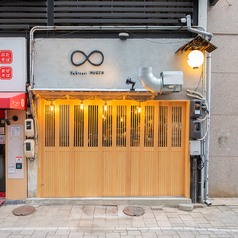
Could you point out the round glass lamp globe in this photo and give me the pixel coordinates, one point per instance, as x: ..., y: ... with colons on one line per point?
x: 195, y: 59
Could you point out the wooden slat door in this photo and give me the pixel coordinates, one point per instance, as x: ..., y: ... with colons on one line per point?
x: 123, y: 149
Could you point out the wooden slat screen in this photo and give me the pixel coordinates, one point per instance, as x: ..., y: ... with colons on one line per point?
x: 78, y: 126
x: 107, y: 126
x: 163, y: 126
x: 64, y: 125
x: 121, y: 126
x: 92, y: 126
x: 135, y: 127
x: 49, y: 127
x: 176, y: 126
x: 149, y: 126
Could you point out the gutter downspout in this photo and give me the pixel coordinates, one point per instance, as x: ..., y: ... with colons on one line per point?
x: 207, y: 140
x: 189, y: 28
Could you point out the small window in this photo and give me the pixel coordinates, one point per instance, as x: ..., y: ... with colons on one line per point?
x: 107, y: 126
x: 78, y: 126
x: 49, y: 127
x: 64, y: 125
x: 92, y: 126
x: 135, y: 127
x: 121, y: 126
x: 149, y: 126
x: 163, y: 126
x: 176, y: 126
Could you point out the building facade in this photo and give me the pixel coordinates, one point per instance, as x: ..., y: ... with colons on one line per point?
x: 107, y: 86
x: 223, y: 156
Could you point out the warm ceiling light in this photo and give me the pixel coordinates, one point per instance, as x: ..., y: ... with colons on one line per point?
x: 195, y: 59
x: 105, y: 106
x: 81, y: 105
x: 139, y: 108
x: 52, y: 106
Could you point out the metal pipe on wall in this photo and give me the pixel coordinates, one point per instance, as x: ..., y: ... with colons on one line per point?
x: 207, y: 141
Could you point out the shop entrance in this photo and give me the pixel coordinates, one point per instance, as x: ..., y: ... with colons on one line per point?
x: 123, y: 149
x: 2, y: 159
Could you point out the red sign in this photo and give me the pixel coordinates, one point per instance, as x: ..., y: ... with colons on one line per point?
x: 13, y: 100
x: 5, y: 73
x: 6, y: 57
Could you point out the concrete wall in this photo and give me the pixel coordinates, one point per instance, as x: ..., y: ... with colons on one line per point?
x: 122, y: 59
x: 223, y: 176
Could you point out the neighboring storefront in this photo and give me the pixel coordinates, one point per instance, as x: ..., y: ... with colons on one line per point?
x: 13, y: 104
x: 97, y: 136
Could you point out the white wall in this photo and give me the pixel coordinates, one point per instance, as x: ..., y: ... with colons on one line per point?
x: 52, y: 65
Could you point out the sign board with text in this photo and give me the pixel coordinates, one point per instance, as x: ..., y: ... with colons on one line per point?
x: 13, y: 64
x: 105, y: 64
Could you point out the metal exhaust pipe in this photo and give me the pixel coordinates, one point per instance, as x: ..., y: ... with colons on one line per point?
x: 149, y: 81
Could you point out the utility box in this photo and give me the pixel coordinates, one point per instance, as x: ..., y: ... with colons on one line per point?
x: 195, y: 147
x: 29, y: 148
x: 195, y: 108
x: 172, y: 80
x: 29, y: 128
x: 195, y: 129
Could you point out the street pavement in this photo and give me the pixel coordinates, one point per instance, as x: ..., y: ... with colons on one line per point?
x: 100, y: 221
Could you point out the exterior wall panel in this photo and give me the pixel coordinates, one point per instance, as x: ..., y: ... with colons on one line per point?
x: 224, y: 129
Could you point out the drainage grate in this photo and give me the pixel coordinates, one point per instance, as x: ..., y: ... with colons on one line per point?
x: 23, y: 210
x: 133, y: 211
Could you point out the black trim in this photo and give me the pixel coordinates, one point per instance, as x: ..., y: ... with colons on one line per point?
x: 213, y: 2
x: 23, y: 15
x: 50, y: 12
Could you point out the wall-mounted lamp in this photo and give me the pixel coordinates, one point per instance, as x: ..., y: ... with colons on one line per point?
x: 123, y: 36
x: 52, y: 107
x: 195, y: 59
x: 128, y: 81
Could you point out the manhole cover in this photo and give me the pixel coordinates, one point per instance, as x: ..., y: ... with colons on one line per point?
x: 23, y: 211
x: 133, y: 211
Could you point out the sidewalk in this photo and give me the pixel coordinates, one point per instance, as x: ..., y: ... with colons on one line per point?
x: 218, y: 220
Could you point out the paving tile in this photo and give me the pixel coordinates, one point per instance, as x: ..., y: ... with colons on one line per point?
x: 113, y: 235
x: 15, y: 236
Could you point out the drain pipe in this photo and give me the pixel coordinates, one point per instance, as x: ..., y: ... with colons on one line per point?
x: 207, y: 141
x: 189, y: 28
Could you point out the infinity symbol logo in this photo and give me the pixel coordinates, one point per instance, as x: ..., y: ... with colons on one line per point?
x: 87, y: 58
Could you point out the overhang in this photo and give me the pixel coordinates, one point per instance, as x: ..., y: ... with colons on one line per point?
x: 13, y: 101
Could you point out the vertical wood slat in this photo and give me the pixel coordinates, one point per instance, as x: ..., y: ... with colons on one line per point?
x: 71, y: 151
x: 84, y: 163
x: 128, y: 157
x: 100, y: 159
x: 140, y: 126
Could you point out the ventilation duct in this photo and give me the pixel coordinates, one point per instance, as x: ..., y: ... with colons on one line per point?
x: 169, y: 81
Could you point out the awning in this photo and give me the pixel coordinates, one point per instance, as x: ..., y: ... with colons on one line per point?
x: 13, y: 101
